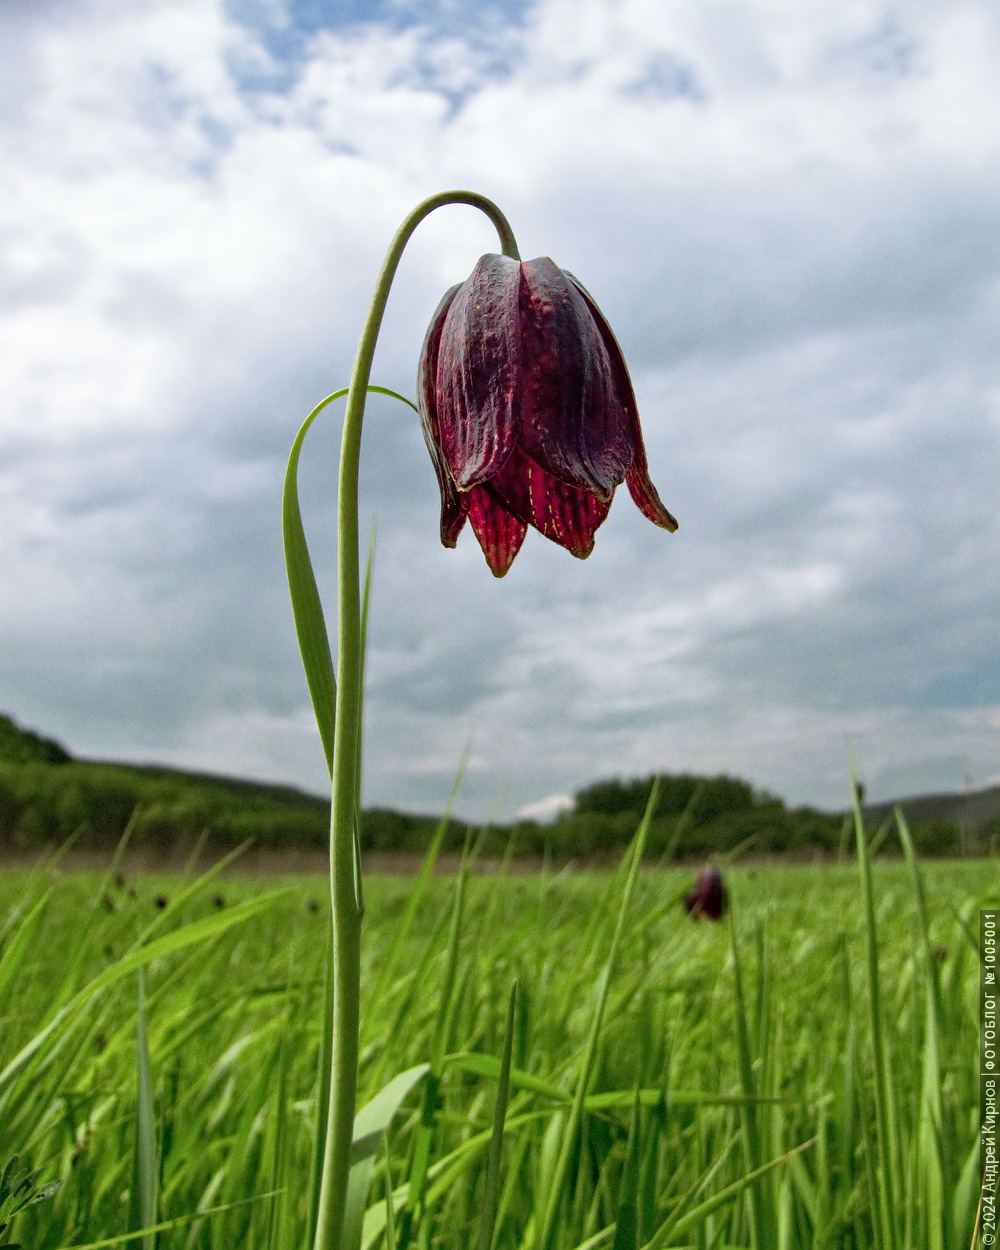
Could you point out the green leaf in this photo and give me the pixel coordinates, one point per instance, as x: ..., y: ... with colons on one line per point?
x: 307, y: 608
x: 442, y: 1026
x: 679, y: 1223
x: 143, y: 1205
x: 123, y: 1238
x: 370, y: 1126
x: 885, y: 1207
x: 21, y: 945
x: 627, y: 1223
x: 492, y: 1184
x: 197, y: 931
x: 553, y: 1198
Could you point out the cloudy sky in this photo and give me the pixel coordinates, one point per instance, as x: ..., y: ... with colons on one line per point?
x: 788, y: 212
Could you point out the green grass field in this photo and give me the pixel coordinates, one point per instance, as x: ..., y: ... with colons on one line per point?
x: 782, y: 1081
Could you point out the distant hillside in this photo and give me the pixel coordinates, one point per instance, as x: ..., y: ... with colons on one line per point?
x: 20, y: 745
x: 976, y: 811
x: 47, y: 797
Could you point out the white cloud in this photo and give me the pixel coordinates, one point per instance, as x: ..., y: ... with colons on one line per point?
x: 546, y: 809
x: 787, y: 216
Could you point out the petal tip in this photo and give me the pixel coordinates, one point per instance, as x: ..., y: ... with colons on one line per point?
x: 500, y: 533
x: 646, y: 498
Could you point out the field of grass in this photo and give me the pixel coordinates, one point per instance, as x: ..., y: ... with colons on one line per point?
x: 805, y: 1076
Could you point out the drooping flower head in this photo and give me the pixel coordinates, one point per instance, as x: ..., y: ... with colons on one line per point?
x: 528, y: 411
x: 709, y: 898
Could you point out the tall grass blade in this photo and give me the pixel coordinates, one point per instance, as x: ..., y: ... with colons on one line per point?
x: 283, y: 1176
x: 931, y: 1165
x: 627, y: 1222
x: 491, y: 1187
x: 418, y: 889
x: 196, y: 931
x: 20, y: 946
x: 164, y: 1225
x: 680, y: 1224
x: 390, y: 1210
x: 885, y: 1195
x: 681, y: 825
x: 554, y: 1196
x: 752, y: 1138
x: 189, y: 892
x: 428, y: 1116
x: 145, y: 1171
x: 102, y: 890
x: 965, y: 1215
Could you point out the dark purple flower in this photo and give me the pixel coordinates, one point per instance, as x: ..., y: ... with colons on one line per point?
x: 528, y: 411
x: 708, y: 900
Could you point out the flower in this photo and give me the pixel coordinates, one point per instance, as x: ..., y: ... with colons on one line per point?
x: 528, y: 411
x: 709, y: 899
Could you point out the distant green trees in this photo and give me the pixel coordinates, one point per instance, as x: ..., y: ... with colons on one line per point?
x: 44, y: 803
x: 693, y: 816
x: 20, y: 745
x: 46, y: 796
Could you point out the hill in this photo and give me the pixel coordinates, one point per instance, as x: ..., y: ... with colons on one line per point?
x: 48, y: 796
x: 975, y: 813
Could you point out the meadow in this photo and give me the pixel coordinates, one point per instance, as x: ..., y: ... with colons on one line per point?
x: 802, y: 1075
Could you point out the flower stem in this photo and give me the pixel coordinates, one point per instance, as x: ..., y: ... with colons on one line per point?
x: 344, y: 872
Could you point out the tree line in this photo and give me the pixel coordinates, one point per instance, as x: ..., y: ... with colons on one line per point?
x: 47, y: 797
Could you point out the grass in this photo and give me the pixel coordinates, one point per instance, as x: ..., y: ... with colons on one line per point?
x: 802, y: 1077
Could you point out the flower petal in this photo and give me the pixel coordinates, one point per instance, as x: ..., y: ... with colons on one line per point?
x: 565, y: 514
x: 500, y: 533
x: 644, y: 492
x: 453, y: 505
x: 637, y: 478
x: 573, y: 419
x: 477, y: 369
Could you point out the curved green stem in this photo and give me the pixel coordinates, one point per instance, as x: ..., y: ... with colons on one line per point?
x: 346, y: 909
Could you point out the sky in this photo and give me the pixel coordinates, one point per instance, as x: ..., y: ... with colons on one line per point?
x: 788, y: 213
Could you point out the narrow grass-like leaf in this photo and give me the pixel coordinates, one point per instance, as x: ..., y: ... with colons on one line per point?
x: 307, y: 607
x: 599, y: 1239
x: 20, y: 946
x: 886, y: 1196
x: 627, y: 1222
x: 390, y: 1210
x: 442, y: 1175
x: 752, y: 1139
x: 283, y: 1176
x: 196, y: 931
x: 417, y: 891
x: 681, y: 825
x: 491, y: 1185
x: 189, y: 892
x: 554, y: 1197
x: 931, y: 1165
x: 145, y: 1171
x: 968, y: 1192
x: 370, y: 1126
x: 428, y: 1115
x: 678, y: 1227
x: 164, y: 1226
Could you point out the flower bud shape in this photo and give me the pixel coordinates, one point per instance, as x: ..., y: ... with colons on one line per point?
x: 709, y: 899
x: 528, y: 411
